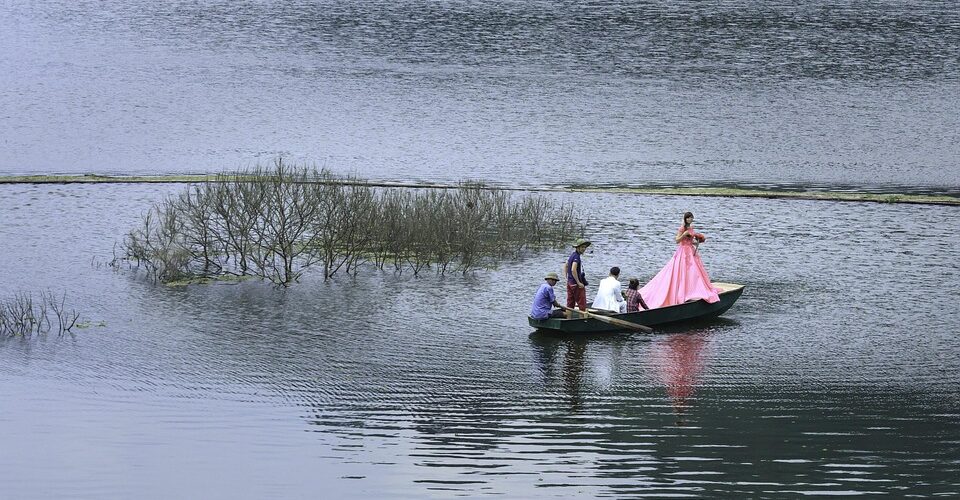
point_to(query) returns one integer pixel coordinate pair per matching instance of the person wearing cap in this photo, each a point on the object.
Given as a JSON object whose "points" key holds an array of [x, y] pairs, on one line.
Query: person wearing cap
{"points": [[545, 300], [576, 279]]}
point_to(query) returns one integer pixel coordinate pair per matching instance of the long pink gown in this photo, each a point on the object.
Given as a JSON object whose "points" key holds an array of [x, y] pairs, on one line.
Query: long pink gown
{"points": [[683, 278]]}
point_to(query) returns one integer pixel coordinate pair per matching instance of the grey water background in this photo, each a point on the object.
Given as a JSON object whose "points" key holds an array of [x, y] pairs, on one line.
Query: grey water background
{"points": [[837, 372], [836, 94]]}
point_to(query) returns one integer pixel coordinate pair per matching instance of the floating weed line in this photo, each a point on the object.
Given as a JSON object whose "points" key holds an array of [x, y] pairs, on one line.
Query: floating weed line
{"points": [[710, 191], [89, 324], [744, 192], [276, 223], [23, 315]]}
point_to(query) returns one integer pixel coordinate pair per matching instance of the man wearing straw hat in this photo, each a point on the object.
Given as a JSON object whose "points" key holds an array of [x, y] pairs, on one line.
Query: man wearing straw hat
{"points": [[545, 299], [576, 280]]}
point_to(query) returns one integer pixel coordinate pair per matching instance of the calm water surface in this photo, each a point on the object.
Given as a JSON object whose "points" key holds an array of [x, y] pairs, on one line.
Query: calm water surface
{"points": [[826, 93], [837, 372]]}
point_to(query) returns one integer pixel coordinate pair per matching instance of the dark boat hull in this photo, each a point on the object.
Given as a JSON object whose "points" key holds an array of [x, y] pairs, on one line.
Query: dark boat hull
{"points": [[689, 311]]}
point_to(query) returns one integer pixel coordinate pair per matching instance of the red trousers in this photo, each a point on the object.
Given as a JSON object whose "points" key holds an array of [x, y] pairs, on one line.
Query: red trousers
{"points": [[576, 296]]}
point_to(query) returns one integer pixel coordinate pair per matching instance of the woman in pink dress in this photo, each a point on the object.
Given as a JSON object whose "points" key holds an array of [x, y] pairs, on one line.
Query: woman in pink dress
{"points": [[683, 278]]}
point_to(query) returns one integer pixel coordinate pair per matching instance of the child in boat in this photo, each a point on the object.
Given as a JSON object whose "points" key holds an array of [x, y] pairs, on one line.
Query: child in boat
{"points": [[634, 299]]}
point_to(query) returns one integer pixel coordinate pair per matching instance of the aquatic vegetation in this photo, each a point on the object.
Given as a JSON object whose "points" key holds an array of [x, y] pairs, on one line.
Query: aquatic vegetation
{"points": [[23, 316], [104, 179], [727, 192], [276, 223], [206, 280], [740, 192], [90, 324]]}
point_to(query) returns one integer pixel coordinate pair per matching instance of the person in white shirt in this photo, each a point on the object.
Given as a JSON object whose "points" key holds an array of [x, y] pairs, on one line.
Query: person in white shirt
{"points": [[610, 295]]}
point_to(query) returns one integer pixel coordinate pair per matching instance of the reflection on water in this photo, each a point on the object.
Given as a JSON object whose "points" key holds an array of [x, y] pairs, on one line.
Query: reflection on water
{"points": [[577, 365], [836, 373], [573, 373], [678, 360], [566, 358], [391, 386]]}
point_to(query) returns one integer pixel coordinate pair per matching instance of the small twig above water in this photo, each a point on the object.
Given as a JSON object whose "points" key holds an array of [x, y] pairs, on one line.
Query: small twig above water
{"points": [[22, 316]]}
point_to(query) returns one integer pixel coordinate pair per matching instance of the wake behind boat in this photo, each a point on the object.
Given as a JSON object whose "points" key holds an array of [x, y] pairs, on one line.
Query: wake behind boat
{"points": [[688, 311]]}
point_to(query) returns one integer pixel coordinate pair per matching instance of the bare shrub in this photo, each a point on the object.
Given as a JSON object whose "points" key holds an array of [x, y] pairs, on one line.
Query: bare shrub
{"points": [[276, 223], [23, 316]]}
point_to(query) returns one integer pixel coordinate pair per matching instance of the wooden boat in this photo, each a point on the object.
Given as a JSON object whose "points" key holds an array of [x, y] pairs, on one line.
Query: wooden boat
{"points": [[688, 311]]}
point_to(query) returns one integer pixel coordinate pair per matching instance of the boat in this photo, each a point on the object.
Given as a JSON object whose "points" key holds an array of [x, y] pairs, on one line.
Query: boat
{"points": [[688, 311]]}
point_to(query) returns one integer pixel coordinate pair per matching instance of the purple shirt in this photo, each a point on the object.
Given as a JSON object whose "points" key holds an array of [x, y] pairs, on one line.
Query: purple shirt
{"points": [[575, 257], [543, 302]]}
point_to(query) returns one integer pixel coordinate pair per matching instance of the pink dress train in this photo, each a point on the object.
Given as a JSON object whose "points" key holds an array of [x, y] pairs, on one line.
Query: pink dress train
{"points": [[683, 278]]}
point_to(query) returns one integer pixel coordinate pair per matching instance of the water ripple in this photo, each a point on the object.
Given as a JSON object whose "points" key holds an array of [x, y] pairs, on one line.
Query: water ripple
{"points": [[812, 384]]}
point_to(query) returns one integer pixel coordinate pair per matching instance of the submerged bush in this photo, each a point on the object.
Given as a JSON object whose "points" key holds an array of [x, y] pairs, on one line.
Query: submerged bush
{"points": [[22, 315], [276, 223]]}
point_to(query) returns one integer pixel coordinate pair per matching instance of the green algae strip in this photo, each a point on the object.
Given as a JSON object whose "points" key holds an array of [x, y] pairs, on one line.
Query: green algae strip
{"points": [[186, 179], [208, 280], [106, 179], [925, 199], [730, 192]]}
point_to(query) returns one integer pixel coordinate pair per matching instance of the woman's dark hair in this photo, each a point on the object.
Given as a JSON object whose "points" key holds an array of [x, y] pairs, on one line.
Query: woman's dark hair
{"points": [[686, 215], [615, 271], [634, 284]]}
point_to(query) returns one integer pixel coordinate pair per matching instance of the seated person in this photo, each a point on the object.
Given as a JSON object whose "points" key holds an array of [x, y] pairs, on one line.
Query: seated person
{"points": [[610, 294], [634, 299], [545, 300]]}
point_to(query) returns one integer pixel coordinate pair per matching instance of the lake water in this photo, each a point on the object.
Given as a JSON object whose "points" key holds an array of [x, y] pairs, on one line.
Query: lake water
{"points": [[857, 95], [837, 372]]}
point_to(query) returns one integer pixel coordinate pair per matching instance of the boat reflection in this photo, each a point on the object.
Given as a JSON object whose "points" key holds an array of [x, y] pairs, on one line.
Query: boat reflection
{"points": [[573, 372], [583, 365], [577, 366], [678, 361]]}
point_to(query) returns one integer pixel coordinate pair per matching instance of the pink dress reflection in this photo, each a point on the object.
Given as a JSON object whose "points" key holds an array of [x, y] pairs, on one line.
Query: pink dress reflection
{"points": [[678, 361], [683, 279]]}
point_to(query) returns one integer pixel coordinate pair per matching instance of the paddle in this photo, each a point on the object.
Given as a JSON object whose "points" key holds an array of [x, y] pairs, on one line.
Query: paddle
{"points": [[613, 321]]}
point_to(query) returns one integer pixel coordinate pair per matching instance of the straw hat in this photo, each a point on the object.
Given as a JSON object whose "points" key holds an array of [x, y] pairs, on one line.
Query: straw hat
{"points": [[581, 243], [552, 276]]}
